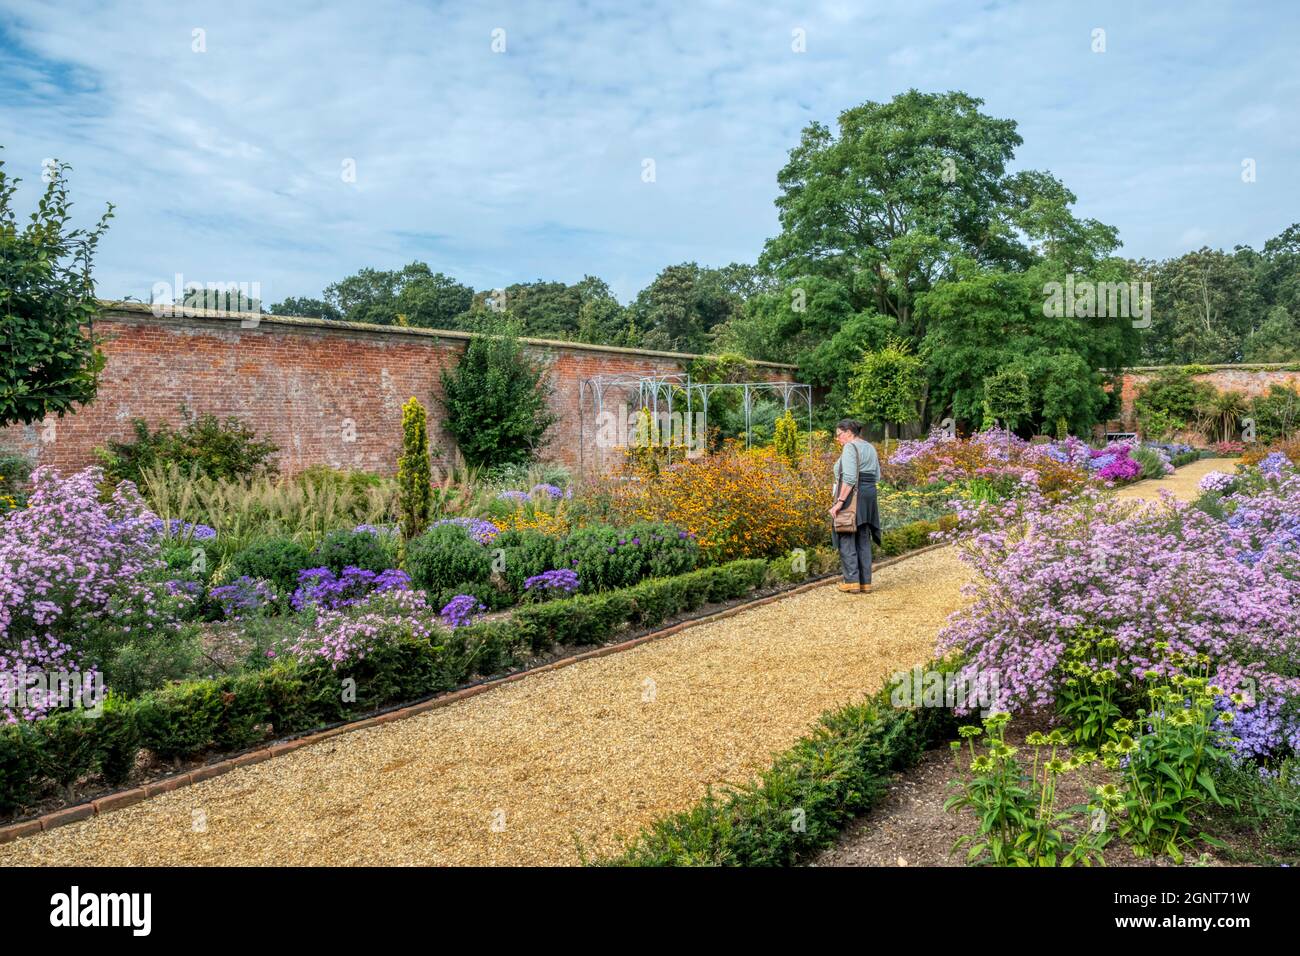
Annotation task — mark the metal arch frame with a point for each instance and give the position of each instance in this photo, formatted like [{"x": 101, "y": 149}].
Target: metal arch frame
[{"x": 650, "y": 387}]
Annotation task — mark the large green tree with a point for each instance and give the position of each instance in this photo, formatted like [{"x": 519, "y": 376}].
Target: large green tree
[{"x": 49, "y": 360}]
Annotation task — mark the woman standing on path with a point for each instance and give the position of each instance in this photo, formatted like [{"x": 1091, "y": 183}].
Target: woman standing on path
[{"x": 856, "y": 474}]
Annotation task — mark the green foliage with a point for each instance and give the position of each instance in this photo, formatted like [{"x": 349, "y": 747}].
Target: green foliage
[
  {"x": 496, "y": 402},
  {"x": 306, "y": 308},
  {"x": 681, "y": 308},
  {"x": 19, "y": 760},
  {"x": 984, "y": 321},
  {"x": 180, "y": 720},
  {"x": 1152, "y": 466},
  {"x": 1169, "y": 775},
  {"x": 1006, "y": 396},
  {"x": 606, "y": 558},
  {"x": 446, "y": 557},
  {"x": 1262, "y": 811},
  {"x": 785, "y": 439},
  {"x": 1019, "y": 822},
  {"x": 276, "y": 560},
  {"x": 203, "y": 447},
  {"x": 152, "y": 657},
  {"x": 1088, "y": 699},
  {"x": 411, "y": 296},
  {"x": 413, "y": 473},
  {"x": 356, "y": 549},
  {"x": 1169, "y": 403},
  {"x": 887, "y": 385},
  {"x": 1223, "y": 411},
  {"x": 47, "y": 306},
  {"x": 1276, "y": 414}
]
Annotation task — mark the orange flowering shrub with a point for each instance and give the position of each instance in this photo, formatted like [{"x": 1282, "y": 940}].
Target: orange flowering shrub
[
  {"x": 738, "y": 504},
  {"x": 1290, "y": 447}
]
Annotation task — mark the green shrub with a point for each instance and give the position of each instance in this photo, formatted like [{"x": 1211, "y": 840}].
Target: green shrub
[
  {"x": 19, "y": 760},
  {"x": 1168, "y": 403},
  {"x": 67, "y": 747},
  {"x": 277, "y": 560},
  {"x": 118, "y": 733},
  {"x": 204, "y": 446},
  {"x": 181, "y": 720},
  {"x": 446, "y": 557},
  {"x": 1152, "y": 466},
  {"x": 496, "y": 401},
  {"x": 608, "y": 558},
  {"x": 357, "y": 549},
  {"x": 152, "y": 658},
  {"x": 414, "y": 493},
  {"x": 526, "y": 554}
]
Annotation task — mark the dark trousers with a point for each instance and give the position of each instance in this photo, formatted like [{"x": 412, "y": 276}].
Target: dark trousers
[{"x": 855, "y": 555}]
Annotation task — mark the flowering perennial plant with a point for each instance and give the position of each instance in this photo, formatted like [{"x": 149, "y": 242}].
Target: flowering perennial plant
[
  {"x": 345, "y": 636},
  {"x": 63, "y": 560},
  {"x": 480, "y": 529},
  {"x": 1141, "y": 573},
  {"x": 323, "y": 588},
  {"x": 244, "y": 597},
  {"x": 559, "y": 583},
  {"x": 461, "y": 610}
]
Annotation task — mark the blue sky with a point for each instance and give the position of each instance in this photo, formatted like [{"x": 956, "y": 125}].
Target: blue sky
[{"x": 228, "y": 164}]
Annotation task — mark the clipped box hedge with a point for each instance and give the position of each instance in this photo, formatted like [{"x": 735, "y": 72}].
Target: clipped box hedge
[{"x": 183, "y": 721}]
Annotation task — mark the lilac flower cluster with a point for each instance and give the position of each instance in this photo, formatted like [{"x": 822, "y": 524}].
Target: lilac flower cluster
[
  {"x": 553, "y": 583},
  {"x": 323, "y": 588},
  {"x": 345, "y": 636},
  {"x": 1163, "y": 571},
  {"x": 1219, "y": 481},
  {"x": 243, "y": 597},
  {"x": 554, "y": 492},
  {"x": 1262, "y": 729},
  {"x": 480, "y": 529},
  {"x": 63, "y": 560},
  {"x": 1274, "y": 464},
  {"x": 461, "y": 610},
  {"x": 1113, "y": 463},
  {"x": 513, "y": 495}
]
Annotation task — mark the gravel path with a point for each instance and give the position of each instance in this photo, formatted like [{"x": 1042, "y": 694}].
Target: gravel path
[
  {"x": 1183, "y": 482},
  {"x": 589, "y": 752}
]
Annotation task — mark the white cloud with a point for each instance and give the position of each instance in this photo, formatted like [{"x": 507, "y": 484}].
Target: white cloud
[{"x": 503, "y": 167}]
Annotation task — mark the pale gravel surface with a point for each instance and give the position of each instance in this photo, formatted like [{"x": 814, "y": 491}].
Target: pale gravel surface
[
  {"x": 1182, "y": 483},
  {"x": 514, "y": 775}
]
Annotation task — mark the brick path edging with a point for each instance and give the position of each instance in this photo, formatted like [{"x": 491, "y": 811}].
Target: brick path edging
[{"x": 124, "y": 798}]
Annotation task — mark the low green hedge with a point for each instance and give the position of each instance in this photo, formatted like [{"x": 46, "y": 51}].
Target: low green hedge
[
  {"x": 185, "y": 720},
  {"x": 836, "y": 773}
]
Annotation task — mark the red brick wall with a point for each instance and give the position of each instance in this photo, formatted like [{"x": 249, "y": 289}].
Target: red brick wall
[
  {"x": 1249, "y": 380},
  {"x": 325, "y": 393}
]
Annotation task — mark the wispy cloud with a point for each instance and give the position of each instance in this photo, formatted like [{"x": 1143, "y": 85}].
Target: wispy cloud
[{"x": 231, "y": 163}]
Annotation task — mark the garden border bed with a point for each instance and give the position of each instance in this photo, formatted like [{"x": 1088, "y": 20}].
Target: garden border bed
[{"x": 128, "y": 796}]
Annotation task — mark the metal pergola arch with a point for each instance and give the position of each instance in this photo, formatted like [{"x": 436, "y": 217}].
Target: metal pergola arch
[{"x": 650, "y": 388}]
